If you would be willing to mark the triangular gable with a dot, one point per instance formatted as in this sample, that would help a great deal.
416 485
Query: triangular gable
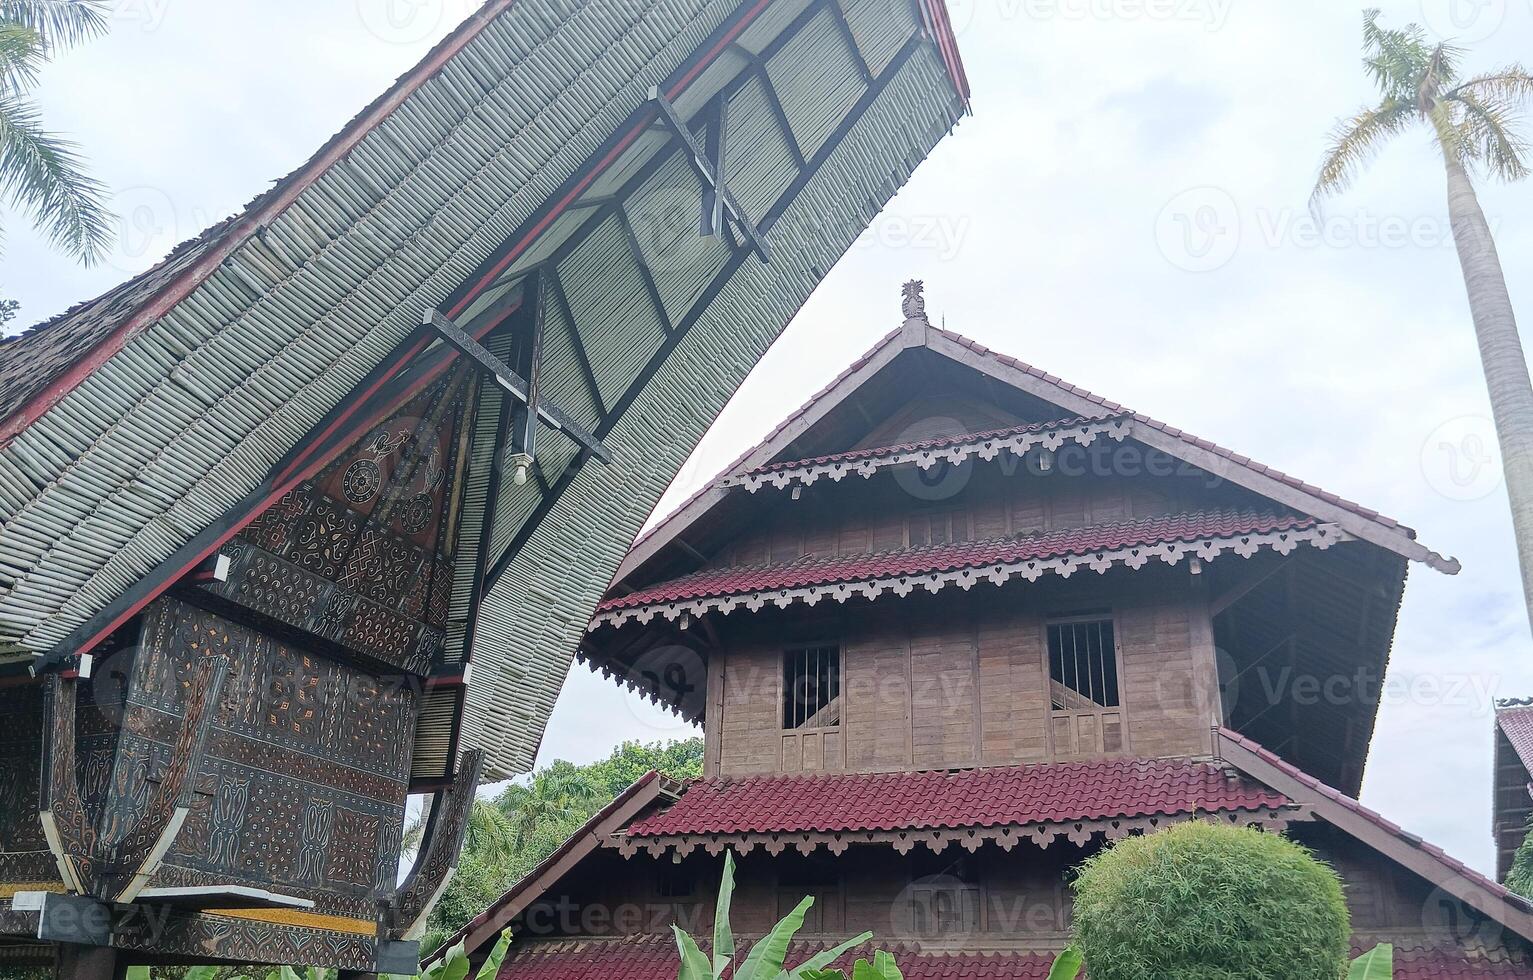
1388 839
141 430
918 332
649 790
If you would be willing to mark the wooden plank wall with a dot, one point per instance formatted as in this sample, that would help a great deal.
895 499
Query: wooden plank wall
960 680
1018 899
858 516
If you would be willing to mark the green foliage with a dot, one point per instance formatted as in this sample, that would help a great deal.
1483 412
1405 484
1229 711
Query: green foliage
1210 902
1474 120
1519 877
42 175
766 959
512 834
1376 964
1067 965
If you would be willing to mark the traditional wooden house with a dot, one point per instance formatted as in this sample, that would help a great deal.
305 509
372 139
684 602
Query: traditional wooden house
955 624
263 507
1512 805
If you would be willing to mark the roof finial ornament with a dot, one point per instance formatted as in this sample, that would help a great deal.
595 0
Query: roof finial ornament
914 302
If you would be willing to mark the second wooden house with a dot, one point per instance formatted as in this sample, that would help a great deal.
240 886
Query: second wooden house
953 627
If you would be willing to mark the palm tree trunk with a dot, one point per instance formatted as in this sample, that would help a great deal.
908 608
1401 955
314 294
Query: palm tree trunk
1506 369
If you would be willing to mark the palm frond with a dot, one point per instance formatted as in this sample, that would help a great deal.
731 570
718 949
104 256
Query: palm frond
43 177
1488 136
1512 83
1356 141
59 23
1394 58
21 57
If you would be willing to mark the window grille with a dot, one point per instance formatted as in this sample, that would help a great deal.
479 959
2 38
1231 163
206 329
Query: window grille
811 688
1083 665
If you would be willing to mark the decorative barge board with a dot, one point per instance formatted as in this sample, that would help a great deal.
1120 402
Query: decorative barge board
951 629
311 516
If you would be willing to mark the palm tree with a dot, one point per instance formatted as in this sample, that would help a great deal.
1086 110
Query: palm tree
490 834
41 175
559 794
1473 121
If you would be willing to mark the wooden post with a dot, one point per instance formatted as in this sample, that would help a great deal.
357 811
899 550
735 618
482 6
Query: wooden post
88 963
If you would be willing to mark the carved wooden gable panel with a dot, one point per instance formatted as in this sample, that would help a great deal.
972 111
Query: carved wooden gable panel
306 771
362 554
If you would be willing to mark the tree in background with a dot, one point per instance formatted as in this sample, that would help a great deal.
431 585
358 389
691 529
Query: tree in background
1474 122
513 833
1519 877
1205 901
41 174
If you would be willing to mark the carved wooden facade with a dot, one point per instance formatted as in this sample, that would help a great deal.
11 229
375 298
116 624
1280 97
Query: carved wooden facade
238 759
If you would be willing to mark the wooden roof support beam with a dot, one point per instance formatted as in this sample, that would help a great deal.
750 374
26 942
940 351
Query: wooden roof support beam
512 383
851 41
699 307
711 176
1237 592
1350 817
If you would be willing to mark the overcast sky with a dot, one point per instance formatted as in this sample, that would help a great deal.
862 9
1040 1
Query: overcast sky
1126 209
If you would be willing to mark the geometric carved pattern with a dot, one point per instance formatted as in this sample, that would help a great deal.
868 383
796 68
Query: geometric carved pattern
112 855
354 848
362 554
305 754
438 858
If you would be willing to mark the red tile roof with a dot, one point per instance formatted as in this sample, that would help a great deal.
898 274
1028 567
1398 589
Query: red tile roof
945 442
812 570
1108 408
655 958
1000 797
1492 888
1515 719
1187 437
644 788
1441 964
